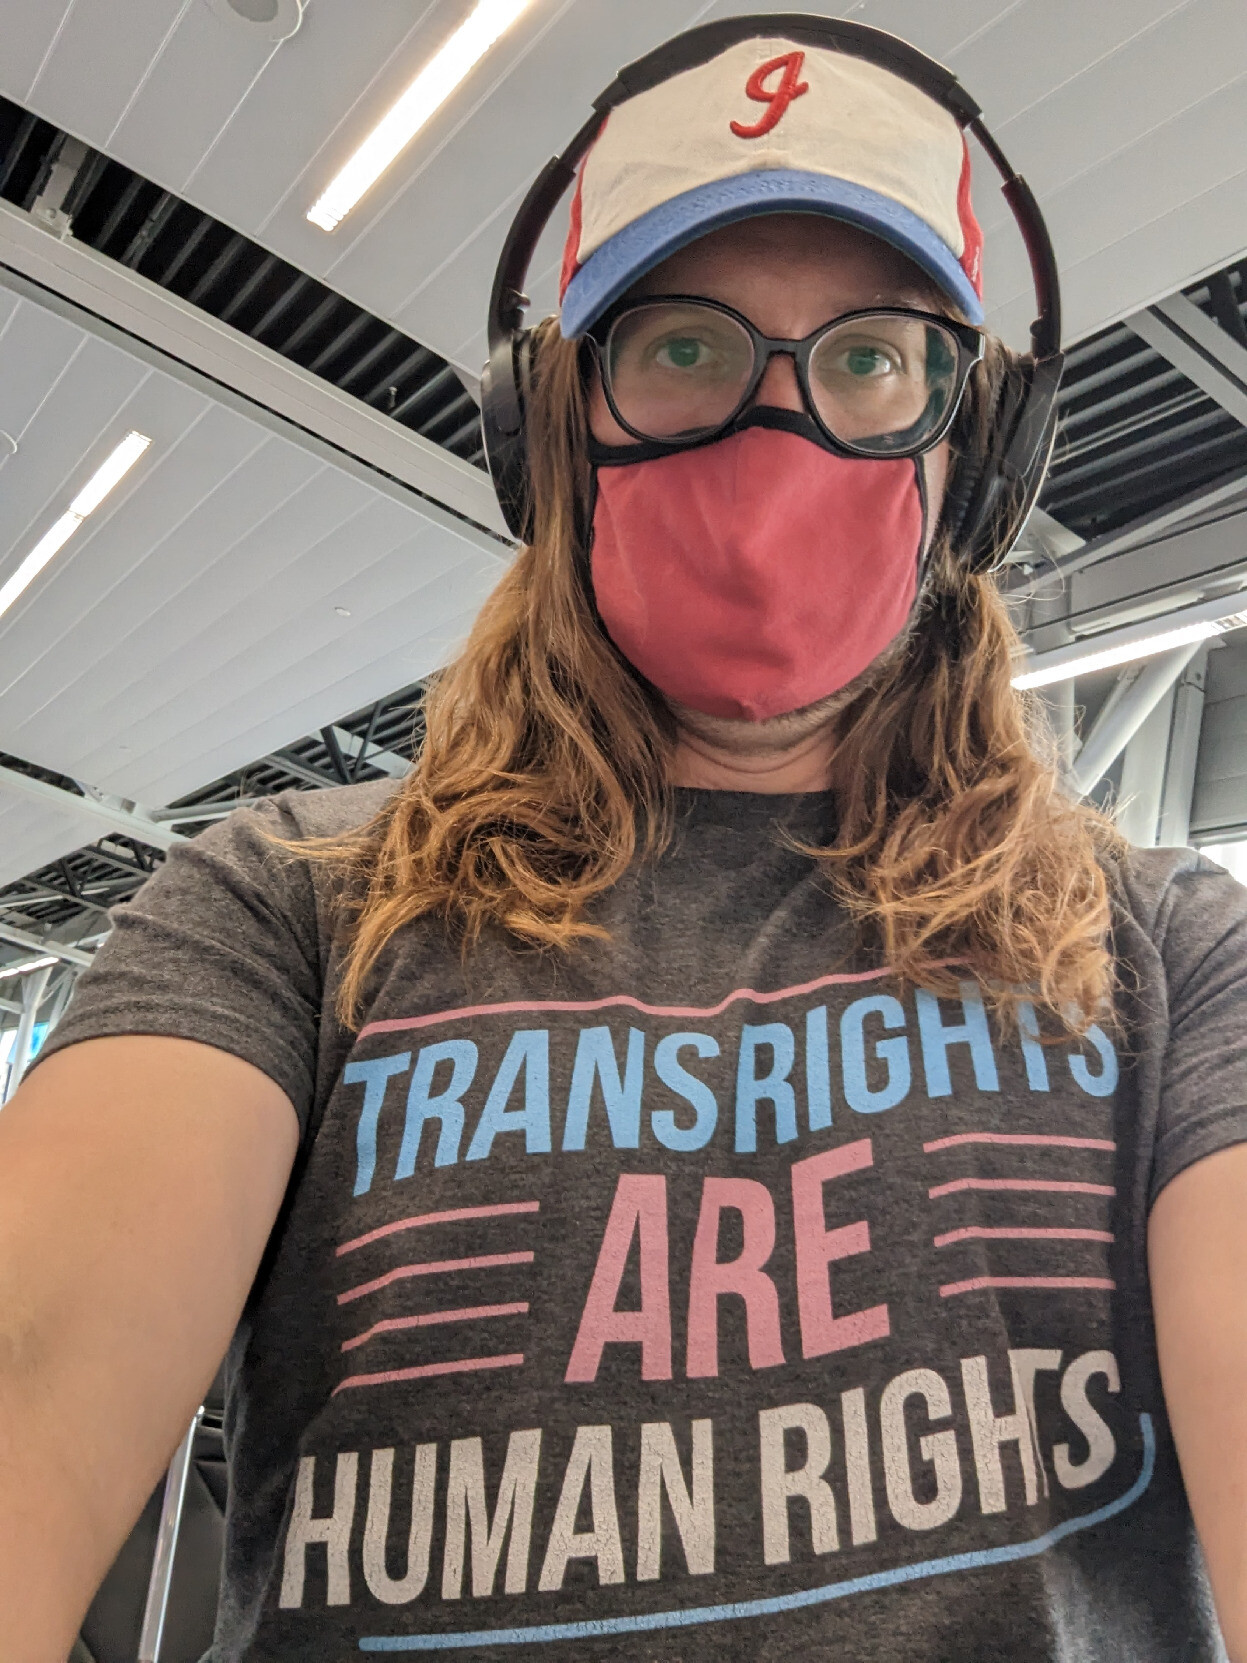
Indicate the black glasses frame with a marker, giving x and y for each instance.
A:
(765, 347)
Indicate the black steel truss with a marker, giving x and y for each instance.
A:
(78, 889)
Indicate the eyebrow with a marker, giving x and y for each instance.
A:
(921, 300)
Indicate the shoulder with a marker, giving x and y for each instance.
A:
(253, 855)
(1163, 890)
(261, 832)
(1191, 913)
(335, 812)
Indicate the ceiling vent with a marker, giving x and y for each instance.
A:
(273, 20)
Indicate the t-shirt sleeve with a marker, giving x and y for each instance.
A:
(220, 946)
(1201, 933)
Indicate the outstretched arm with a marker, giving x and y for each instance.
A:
(1197, 1248)
(139, 1181)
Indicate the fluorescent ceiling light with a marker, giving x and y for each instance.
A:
(28, 964)
(1127, 652)
(430, 89)
(92, 494)
(109, 474)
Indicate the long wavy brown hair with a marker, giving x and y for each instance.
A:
(544, 770)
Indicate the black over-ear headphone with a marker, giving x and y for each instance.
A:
(985, 508)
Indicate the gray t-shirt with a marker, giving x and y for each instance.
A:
(704, 1292)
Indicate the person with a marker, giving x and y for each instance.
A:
(725, 1160)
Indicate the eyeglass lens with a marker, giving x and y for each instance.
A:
(880, 383)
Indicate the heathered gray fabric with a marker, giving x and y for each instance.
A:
(784, 1311)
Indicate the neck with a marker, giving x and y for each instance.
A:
(769, 757)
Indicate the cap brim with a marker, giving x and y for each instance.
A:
(612, 269)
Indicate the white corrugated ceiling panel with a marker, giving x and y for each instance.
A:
(1127, 117)
(32, 834)
(194, 622)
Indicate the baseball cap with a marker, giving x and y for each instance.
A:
(770, 127)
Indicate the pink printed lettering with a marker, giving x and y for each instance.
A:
(639, 1209)
(817, 1247)
(710, 1278)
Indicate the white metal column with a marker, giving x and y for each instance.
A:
(1143, 776)
(1138, 691)
(1174, 829)
(33, 988)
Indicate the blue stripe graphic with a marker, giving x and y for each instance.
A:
(547, 1633)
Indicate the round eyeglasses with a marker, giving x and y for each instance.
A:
(886, 383)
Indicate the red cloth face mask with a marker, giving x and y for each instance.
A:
(757, 574)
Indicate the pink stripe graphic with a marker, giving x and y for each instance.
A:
(977, 1282)
(1056, 1186)
(454, 1216)
(1019, 1137)
(471, 1313)
(428, 1371)
(482, 1261)
(399, 1023)
(979, 1232)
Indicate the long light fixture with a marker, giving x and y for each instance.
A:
(430, 89)
(1128, 652)
(107, 476)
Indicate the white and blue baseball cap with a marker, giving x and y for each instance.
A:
(770, 127)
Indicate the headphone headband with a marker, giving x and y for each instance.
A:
(1023, 450)
(698, 46)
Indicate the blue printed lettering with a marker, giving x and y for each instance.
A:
(772, 1087)
(596, 1060)
(1032, 1050)
(529, 1052)
(445, 1107)
(892, 1053)
(937, 1036)
(817, 1070)
(374, 1075)
(1103, 1084)
(676, 1077)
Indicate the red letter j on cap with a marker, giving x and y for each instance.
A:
(778, 101)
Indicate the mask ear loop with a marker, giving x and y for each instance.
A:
(586, 510)
(946, 603)
(924, 547)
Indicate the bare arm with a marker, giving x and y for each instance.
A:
(139, 1181)
(1198, 1254)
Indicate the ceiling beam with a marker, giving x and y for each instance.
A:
(304, 771)
(457, 494)
(98, 818)
(1129, 633)
(1175, 570)
(41, 944)
(185, 813)
(1197, 345)
(1046, 537)
(386, 762)
(1150, 528)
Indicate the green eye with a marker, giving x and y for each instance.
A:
(866, 361)
(682, 353)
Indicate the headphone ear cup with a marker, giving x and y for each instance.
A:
(986, 509)
(505, 386)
